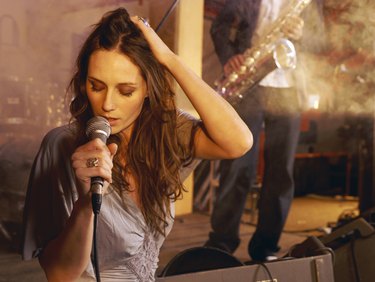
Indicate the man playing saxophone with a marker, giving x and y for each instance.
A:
(272, 106)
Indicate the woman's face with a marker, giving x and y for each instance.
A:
(115, 89)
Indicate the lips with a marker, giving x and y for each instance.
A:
(112, 121)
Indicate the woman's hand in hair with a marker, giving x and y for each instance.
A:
(160, 50)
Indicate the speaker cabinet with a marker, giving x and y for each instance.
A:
(354, 248)
(307, 269)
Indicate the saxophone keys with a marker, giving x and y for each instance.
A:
(249, 61)
(243, 69)
(233, 77)
(256, 54)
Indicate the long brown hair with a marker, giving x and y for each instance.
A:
(154, 154)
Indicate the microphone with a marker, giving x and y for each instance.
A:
(97, 127)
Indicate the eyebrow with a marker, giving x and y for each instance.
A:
(119, 84)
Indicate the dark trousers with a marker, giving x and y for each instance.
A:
(277, 110)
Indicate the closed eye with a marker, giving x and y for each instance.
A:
(127, 94)
(126, 90)
(95, 87)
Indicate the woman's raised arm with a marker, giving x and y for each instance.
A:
(225, 135)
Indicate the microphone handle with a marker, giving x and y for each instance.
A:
(97, 191)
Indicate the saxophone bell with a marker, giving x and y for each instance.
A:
(284, 54)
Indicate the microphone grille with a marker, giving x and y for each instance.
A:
(98, 127)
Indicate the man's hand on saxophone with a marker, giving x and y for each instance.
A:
(293, 27)
(234, 63)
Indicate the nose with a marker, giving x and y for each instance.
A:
(108, 103)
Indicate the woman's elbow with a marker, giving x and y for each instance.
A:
(56, 273)
(248, 144)
(243, 145)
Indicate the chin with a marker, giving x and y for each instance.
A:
(118, 129)
(115, 130)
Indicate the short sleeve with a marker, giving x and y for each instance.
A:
(51, 192)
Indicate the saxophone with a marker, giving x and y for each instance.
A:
(273, 51)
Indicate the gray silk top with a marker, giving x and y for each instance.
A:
(127, 250)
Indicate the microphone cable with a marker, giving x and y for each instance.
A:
(94, 251)
(96, 202)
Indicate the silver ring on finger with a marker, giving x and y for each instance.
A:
(92, 162)
(144, 21)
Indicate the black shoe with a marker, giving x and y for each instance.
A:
(266, 259)
(256, 259)
(259, 252)
(271, 258)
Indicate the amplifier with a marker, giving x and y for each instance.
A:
(307, 269)
(354, 248)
